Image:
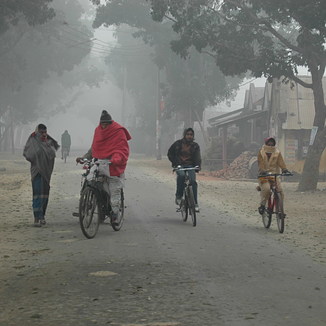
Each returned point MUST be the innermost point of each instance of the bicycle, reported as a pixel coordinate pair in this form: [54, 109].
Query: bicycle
[275, 202]
[187, 204]
[94, 202]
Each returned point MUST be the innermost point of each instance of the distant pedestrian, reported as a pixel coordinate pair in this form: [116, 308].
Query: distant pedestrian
[40, 151]
[65, 143]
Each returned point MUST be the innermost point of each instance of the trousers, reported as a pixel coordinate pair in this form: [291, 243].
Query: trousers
[181, 175]
[113, 185]
[266, 190]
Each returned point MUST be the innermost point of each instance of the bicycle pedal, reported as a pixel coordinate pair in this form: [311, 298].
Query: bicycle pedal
[178, 210]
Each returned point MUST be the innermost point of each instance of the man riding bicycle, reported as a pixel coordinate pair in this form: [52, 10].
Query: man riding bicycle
[65, 143]
[186, 153]
[110, 142]
[270, 160]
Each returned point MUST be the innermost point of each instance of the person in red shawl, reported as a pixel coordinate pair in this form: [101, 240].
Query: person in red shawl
[110, 142]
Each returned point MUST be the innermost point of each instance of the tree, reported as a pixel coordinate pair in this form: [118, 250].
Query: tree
[188, 86]
[34, 12]
[41, 50]
[268, 38]
[36, 55]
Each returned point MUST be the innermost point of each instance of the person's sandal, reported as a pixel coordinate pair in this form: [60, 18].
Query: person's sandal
[37, 223]
[42, 222]
[261, 209]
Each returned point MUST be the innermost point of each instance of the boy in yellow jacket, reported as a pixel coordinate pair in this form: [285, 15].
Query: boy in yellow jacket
[270, 160]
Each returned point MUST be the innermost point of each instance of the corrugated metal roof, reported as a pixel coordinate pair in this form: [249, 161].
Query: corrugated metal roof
[238, 117]
[225, 116]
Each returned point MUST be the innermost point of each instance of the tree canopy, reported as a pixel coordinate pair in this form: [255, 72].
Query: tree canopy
[187, 85]
[31, 53]
[255, 35]
[34, 12]
[267, 38]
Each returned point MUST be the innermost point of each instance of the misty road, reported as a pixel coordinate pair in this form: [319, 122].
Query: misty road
[157, 270]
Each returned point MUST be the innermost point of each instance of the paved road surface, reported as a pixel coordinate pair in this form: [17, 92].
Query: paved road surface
[157, 270]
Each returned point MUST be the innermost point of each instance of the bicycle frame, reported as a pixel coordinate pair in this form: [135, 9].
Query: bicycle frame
[275, 202]
[188, 201]
[274, 191]
[187, 179]
[95, 197]
[91, 178]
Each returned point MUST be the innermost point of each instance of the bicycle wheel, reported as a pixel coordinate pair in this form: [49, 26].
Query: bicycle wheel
[117, 224]
[89, 213]
[184, 209]
[267, 215]
[279, 213]
[191, 204]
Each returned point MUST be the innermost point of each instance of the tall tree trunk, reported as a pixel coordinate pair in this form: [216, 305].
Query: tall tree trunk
[310, 174]
[204, 133]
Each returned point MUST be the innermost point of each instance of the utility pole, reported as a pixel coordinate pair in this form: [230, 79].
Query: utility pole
[158, 118]
[124, 96]
[12, 135]
[224, 147]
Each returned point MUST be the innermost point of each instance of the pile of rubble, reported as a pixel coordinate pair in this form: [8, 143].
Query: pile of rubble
[240, 168]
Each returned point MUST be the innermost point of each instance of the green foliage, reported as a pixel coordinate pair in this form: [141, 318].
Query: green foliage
[34, 12]
[269, 38]
[32, 54]
[187, 85]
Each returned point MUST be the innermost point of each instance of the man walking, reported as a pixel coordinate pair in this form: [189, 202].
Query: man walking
[40, 151]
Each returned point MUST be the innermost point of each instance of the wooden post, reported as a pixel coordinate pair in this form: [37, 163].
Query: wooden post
[124, 95]
[158, 118]
[12, 133]
[224, 146]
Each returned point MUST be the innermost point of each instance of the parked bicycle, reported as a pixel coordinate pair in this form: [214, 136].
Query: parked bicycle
[275, 202]
[94, 202]
[187, 204]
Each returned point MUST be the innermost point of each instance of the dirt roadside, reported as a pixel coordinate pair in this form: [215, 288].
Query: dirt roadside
[305, 223]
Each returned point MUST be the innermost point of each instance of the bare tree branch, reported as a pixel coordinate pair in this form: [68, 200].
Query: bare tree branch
[170, 18]
[300, 82]
[267, 25]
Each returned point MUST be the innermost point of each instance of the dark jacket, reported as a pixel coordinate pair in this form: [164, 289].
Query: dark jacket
[175, 152]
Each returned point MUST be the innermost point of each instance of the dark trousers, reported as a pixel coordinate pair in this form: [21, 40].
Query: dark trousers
[41, 190]
[181, 175]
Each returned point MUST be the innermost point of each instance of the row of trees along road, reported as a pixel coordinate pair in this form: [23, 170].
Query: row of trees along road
[143, 47]
[267, 38]
[41, 42]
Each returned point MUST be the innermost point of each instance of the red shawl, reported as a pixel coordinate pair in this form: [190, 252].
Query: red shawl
[112, 143]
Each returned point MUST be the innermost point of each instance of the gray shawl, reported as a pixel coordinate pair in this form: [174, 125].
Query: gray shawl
[41, 155]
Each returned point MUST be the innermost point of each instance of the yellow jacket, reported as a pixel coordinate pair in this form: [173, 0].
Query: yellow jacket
[274, 164]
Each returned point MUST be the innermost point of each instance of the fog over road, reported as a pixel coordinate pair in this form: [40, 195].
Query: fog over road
[157, 270]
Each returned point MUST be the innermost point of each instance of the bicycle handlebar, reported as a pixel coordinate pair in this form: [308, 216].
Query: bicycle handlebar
[180, 168]
[275, 175]
[89, 161]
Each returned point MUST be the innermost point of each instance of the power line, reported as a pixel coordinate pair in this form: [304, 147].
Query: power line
[248, 82]
[99, 48]
[108, 46]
